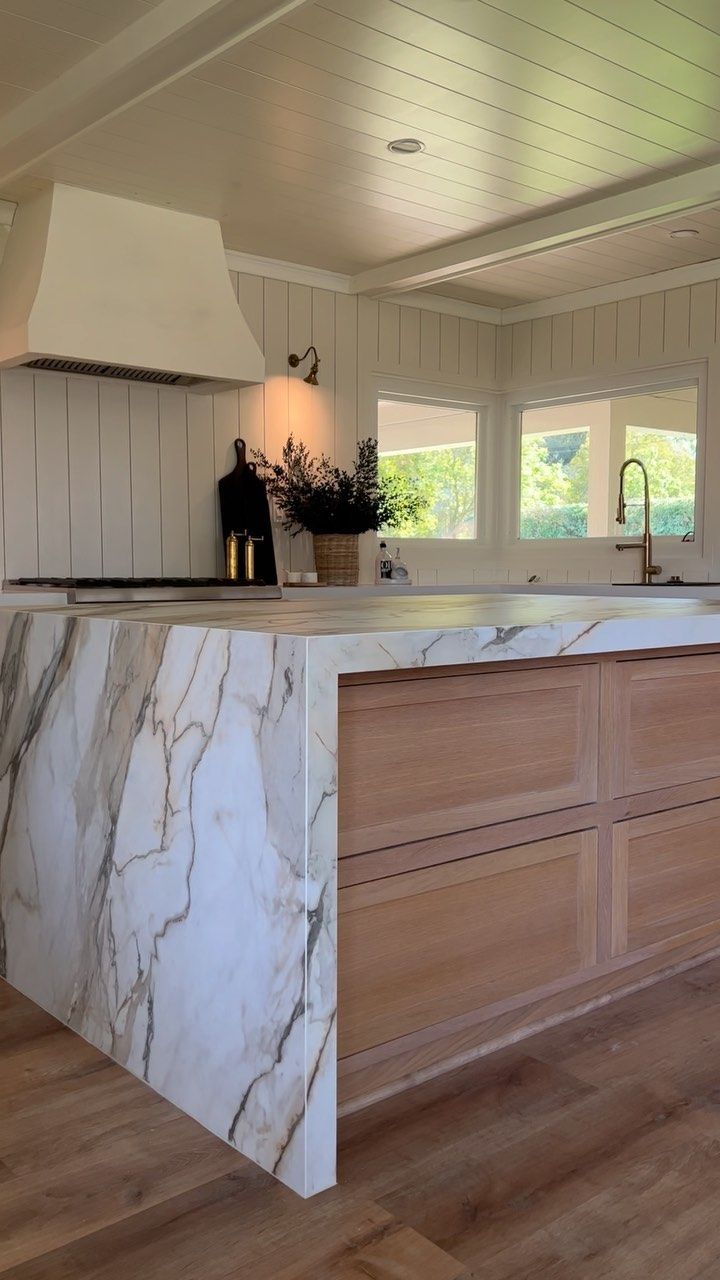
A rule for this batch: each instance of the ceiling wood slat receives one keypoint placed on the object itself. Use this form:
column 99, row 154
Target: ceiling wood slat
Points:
column 606, row 94
column 407, row 55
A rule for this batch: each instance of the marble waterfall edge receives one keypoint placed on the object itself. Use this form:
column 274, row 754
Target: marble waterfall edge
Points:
column 153, row 883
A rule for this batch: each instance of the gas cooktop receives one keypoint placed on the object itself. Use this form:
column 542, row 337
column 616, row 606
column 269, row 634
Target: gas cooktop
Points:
column 100, row 590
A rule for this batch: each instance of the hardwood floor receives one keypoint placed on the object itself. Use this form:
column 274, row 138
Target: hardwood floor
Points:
column 590, row 1151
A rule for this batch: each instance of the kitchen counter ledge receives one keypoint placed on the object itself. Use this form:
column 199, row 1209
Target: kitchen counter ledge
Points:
column 417, row 613
column 169, row 815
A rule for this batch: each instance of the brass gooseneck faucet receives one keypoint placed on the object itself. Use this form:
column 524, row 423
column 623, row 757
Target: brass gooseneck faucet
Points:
column 650, row 570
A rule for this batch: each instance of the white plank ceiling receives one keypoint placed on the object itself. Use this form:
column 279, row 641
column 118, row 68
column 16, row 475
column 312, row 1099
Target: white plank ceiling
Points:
column 525, row 106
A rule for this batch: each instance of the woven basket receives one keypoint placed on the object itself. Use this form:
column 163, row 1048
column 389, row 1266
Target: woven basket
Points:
column 337, row 559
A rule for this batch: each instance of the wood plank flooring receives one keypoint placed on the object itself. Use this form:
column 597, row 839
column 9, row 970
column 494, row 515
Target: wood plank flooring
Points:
column 590, row 1151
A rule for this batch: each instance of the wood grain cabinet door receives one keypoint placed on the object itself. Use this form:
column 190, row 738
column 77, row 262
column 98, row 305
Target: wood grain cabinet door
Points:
column 666, row 878
column 417, row 949
column 665, row 722
column 429, row 756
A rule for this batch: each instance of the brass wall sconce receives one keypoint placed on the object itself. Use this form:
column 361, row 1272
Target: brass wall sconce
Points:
column 311, row 377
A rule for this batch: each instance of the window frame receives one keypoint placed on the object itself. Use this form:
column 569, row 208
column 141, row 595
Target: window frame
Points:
column 693, row 373
column 485, row 406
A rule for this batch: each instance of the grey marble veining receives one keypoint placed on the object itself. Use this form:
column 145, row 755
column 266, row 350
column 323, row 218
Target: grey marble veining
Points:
column 168, row 829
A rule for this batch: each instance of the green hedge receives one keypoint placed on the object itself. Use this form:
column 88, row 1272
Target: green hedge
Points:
column 569, row 521
column 673, row 516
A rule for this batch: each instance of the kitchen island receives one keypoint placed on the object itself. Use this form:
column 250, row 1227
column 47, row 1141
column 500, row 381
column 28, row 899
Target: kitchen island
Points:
column 169, row 850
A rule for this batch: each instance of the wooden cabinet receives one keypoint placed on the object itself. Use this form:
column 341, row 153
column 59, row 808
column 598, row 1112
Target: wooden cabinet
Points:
column 666, row 877
column 429, row 756
column 426, row 946
column 483, row 934
column 665, row 722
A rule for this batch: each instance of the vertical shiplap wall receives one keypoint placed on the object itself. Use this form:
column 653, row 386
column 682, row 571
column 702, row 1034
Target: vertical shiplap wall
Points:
column 101, row 477
column 643, row 332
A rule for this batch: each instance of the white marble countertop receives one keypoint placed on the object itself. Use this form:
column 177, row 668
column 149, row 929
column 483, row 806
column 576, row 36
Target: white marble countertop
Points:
column 376, row 616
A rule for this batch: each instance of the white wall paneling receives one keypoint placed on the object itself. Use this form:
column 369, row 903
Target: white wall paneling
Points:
column 429, row 342
column 145, row 480
column 83, row 410
column 388, row 342
column 316, row 409
column 410, row 337
column 53, row 479
column 541, row 346
column 628, row 330
column 115, row 477
column 449, row 346
column 174, row 491
column 20, row 503
column 346, row 375
column 201, row 486
column 561, row 343
column 583, row 338
column 487, row 354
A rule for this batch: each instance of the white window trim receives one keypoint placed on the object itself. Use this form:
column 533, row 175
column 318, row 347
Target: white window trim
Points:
column 485, row 404
column 595, row 388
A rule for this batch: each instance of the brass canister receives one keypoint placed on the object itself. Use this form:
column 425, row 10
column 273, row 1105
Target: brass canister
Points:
column 232, row 557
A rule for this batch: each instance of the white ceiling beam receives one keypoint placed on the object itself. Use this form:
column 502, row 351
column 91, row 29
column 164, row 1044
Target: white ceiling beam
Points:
column 639, row 207
column 167, row 42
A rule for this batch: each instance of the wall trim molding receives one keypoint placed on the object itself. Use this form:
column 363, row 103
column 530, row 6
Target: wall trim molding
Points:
column 318, row 278
column 252, row 264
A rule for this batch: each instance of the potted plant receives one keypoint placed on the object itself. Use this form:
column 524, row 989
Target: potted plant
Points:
column 335, row 505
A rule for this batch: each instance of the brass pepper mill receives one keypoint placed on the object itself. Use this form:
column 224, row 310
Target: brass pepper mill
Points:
column 250, row 556
column 232, row 557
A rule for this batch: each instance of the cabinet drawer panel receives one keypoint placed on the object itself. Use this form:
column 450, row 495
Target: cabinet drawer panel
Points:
column 425, row 757
column 666, row 877
column 419, row 948
column 666, row 722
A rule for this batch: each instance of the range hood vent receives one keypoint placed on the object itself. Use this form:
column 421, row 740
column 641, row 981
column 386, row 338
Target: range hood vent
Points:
column 111, row 371
column 112, row 288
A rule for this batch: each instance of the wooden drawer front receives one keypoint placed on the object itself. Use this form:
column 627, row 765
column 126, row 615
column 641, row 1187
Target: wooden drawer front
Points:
column 666, row 722
column 419, row 948
column 666, row 877
column 425, row 757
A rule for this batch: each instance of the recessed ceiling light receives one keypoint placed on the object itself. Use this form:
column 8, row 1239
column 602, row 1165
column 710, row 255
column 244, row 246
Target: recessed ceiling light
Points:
column 684, row 233
column 406, row 146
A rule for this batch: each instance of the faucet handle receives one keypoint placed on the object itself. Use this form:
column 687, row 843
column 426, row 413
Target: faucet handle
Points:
column 653, row 569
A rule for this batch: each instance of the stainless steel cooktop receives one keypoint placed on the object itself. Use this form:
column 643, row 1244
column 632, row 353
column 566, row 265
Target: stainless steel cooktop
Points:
column 103, row 590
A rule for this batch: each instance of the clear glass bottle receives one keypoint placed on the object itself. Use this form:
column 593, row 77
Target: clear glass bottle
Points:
column 383, row 564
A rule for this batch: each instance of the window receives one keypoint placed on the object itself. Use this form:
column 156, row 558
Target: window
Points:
column 435, row 447
column 570, row 459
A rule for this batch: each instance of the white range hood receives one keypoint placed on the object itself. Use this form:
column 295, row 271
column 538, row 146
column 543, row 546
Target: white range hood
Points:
column 91, row 283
